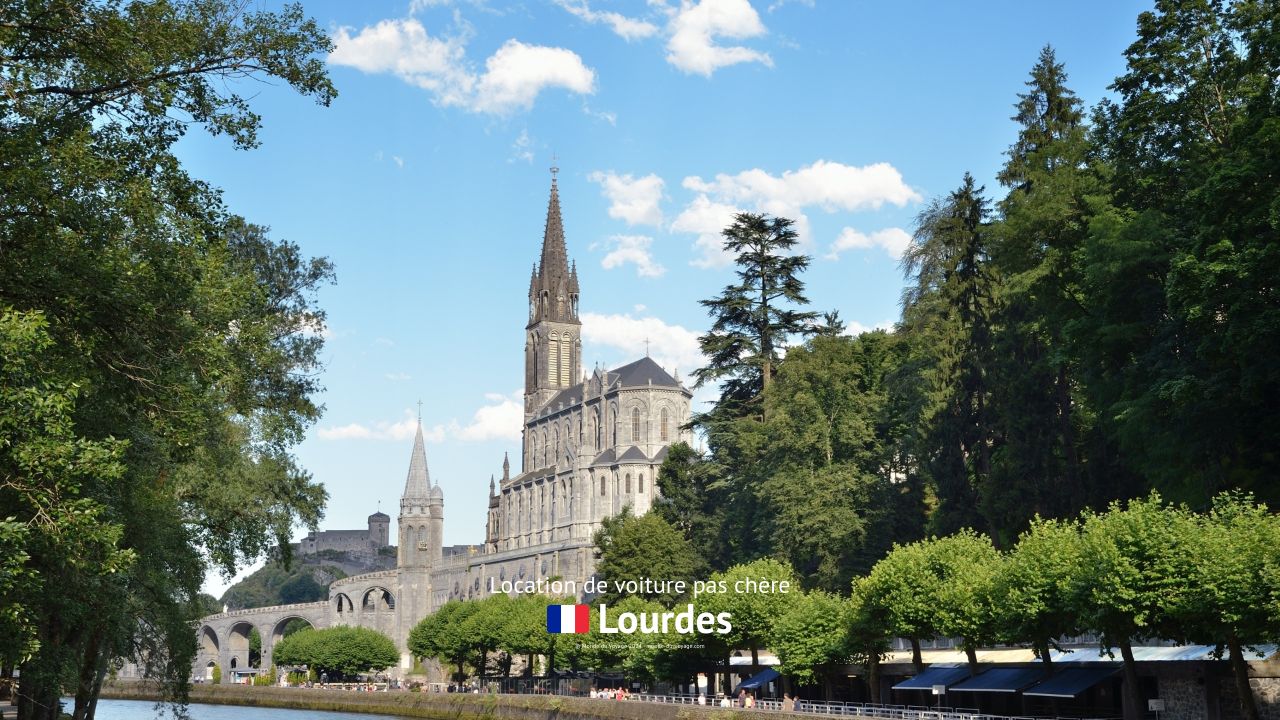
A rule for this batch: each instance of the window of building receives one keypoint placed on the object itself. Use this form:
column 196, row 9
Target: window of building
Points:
column 627, row 487
column 641, row 482
column 566, row 358
column 603, row 491
column 664, row 425
column 635, row 424
column 553, row 358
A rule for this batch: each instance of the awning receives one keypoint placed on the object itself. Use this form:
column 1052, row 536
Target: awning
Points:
column 1071, row 681
column 767, row 675
column 934, row 675
column 1001, row 680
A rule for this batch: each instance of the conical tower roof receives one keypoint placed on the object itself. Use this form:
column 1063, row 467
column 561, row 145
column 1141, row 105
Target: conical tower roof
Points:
column 555, row 258
column 418, row 484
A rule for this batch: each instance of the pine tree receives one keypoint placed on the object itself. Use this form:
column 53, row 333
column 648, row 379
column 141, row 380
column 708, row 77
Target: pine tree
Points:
column 754, row 318
column 950, row 304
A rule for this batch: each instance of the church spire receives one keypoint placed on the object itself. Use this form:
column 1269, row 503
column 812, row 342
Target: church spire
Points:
column 418, row 483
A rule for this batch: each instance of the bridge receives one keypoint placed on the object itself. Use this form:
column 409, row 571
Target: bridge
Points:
column 224, row 638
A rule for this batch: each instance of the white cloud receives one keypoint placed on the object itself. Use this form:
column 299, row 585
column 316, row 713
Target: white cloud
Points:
column 829, row 185
column 855, row 328
column 671, row 346
column 311, row 327
column 398, row 377
column 512, row 79
column 693, row 29
column 517, row 72
column 522, row 148
column 706, row 219
column 632, row 249
column 635, row 200
column 501, row 419
column 402, row 429
column 640, row 307
column 627, row 28
column 398, row 160
column 893, row 240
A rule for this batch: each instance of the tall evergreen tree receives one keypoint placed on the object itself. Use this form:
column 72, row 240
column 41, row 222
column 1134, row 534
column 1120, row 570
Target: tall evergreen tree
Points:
column 753, row 318
column 949, row 303
column 1038, row 468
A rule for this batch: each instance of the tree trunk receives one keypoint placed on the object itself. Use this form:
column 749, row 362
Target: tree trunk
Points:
column 1240, row 668
column 1132, row 694
column 755, row 659
column 89, row 663
column 873, row 679
column 1044, row 650
column 916, row 658
column 971, row 653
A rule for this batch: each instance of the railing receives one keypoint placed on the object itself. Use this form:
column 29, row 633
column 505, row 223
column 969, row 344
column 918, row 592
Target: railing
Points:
column 843, row 709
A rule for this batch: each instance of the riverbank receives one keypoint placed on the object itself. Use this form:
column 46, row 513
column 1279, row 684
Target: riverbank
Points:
column 434, row 706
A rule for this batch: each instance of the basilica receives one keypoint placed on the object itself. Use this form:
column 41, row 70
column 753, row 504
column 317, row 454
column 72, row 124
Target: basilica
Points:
column 592, row 445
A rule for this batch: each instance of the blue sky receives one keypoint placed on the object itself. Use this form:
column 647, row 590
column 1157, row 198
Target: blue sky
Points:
column 426, row 183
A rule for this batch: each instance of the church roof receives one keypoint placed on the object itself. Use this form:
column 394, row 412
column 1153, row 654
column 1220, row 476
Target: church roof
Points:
column 379, row 516
column 605, row 458
column 418, row 483
column 633, row 454
column 639, row 373
column 642, row 372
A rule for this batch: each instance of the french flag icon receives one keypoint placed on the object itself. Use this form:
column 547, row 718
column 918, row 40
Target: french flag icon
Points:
column 568, row 619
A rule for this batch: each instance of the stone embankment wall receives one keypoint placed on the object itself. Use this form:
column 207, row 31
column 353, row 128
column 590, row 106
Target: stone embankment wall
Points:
column 436, row 706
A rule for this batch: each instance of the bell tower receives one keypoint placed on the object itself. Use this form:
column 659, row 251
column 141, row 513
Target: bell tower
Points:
column 553, row 337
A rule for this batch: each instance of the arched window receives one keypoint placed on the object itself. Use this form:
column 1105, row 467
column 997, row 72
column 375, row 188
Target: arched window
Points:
column 641, row 482
column 566, row 355
column 627, row 487
column 664, row 425
column 546, row 449
column 635, row 424
column 553, row 358
column 555, row 457
column 603, row 490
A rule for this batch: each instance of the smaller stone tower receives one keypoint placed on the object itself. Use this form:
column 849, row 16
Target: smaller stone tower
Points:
column 421, row 513
column 380, row 529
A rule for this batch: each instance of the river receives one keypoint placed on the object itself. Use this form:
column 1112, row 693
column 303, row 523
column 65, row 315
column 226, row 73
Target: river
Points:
column 145, row 709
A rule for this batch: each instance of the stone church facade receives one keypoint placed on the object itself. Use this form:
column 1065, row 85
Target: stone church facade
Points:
column 591, row 445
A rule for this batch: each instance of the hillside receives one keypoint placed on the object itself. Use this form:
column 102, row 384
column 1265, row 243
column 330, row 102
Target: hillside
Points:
column 305, row 580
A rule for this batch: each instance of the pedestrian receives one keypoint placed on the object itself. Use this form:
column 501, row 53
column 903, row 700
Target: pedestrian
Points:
column 788, row 703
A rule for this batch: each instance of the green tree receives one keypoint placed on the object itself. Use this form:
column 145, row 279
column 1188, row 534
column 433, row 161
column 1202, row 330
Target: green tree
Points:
column 948, row 304
column 1128, row 578
column 812, row 633
column 184, row 341
column 899, row 593
column 1228, row 562
column 966, row 565
column 1054, row 187
column 339, row 651
column 753, row 614
column 827, row 438
column 688, row 502
column 443, row 635
column 1181, row 316
column 635, row 548
column 1035, row 586
column 753, row 318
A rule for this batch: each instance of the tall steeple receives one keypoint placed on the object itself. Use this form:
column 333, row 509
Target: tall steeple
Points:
column 421, row 521
column 553, row 342
column 418, row 483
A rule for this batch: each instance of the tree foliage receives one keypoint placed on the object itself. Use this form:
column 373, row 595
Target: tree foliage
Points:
column 176, row 349
column 342, row 652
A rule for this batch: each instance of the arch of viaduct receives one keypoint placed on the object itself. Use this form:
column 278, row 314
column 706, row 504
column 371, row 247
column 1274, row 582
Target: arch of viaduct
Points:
column 223, row 639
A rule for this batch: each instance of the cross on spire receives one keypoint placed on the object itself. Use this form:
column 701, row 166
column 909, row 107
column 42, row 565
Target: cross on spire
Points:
column 554, row 167
column 419, row 410
column 646, row 347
